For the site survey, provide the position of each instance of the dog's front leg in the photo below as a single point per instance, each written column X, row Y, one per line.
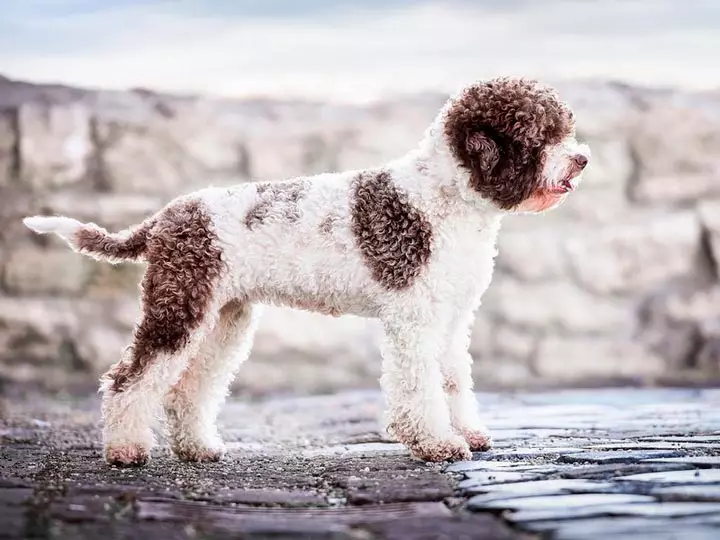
column 456, row 366
column 418, row 413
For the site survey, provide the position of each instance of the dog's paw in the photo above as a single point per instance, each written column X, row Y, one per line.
column 200, row 454
column 453, row 448
column 479, row 440
column 127, row 455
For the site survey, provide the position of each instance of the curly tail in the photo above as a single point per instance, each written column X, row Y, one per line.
column 89, row 239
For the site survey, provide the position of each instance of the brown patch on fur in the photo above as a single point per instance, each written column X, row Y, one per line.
column 184, row 264
column 393, row 236
column 477, row 440
column 327, row 225
column 97, row 241
column 276, row 197
column 498, row 131
column 451, row 387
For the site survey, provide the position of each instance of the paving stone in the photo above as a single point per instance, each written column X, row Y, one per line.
column 559, row 513
column 697, row 461
column 646, row 510
column 674, row 531
column 622, row 527
column 12, row 522
column 618, row 456
column 524, row 434
column 635, row 445
column 558, row 486
column 362, row 449
column 499, row 477
column 265, row 497
column 383, row 487
column 182, row 510
column 690, row 439
column 616, row 470
column 527, row 452
column 463, row 466
column 14, row 495
column 474, row 526
column 668, row 509
column 698, row 476
column 703, row 492
column 563, row 502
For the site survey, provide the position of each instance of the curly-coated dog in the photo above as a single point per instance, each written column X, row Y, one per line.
column 411, row 243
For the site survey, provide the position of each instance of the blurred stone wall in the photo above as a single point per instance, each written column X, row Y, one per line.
column 620, row 284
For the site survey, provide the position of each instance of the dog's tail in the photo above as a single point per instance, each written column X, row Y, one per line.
column 89, row 239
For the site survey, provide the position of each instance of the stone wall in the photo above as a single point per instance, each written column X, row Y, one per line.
column 620, row 284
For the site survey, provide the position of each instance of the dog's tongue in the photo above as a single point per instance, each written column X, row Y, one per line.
column 567, row 185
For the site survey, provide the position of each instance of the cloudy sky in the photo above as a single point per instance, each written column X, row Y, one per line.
column 355, row 50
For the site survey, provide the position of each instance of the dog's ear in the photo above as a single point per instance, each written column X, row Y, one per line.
column 484, row 152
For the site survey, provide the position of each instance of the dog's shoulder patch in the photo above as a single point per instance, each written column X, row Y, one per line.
column 394, row 237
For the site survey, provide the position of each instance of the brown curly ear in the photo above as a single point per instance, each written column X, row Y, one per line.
column 483, row 152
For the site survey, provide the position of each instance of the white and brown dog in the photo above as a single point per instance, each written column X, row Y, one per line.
column 411, row 243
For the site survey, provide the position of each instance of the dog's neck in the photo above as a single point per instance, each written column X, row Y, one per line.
column 435, row 181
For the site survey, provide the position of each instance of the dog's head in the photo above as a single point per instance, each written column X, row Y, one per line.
column 516, row 139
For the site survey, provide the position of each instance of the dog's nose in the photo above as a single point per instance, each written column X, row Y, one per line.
column 580, row 160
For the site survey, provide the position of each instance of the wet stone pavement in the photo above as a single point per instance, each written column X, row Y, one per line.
column 571, row 464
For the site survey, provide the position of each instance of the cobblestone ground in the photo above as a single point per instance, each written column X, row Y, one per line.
column 571, row 464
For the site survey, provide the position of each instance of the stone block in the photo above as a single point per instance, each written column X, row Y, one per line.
column 142, row 159
column 115, row 280
column 8, row 145
column 567, row 360
column 36, row 271
column 691, row 477
column 611, row 164
column 296, row 349
column 710, row 217
column 509, row 341
column 679, row 164
column 556, row 305
column 55, row 144
column 114, row 211
column 52, row 341
column 636, row 256
column 531, row 255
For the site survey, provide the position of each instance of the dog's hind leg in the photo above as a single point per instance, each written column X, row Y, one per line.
column 183, row 291
column 134, row 388
column 193, row 404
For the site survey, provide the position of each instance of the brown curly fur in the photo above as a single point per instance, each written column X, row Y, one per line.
column 184, row 264
column 394, row 237
column 97, row 242
column 283, row 196
column 498, row 130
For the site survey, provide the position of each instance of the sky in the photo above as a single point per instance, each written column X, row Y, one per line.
column 346, row 50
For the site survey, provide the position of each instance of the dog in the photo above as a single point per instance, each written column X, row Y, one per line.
column 411, row 243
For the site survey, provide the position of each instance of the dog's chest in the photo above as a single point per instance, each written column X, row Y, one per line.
column 466, row 259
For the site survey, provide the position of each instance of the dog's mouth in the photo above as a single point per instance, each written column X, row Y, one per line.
column 567, row 184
